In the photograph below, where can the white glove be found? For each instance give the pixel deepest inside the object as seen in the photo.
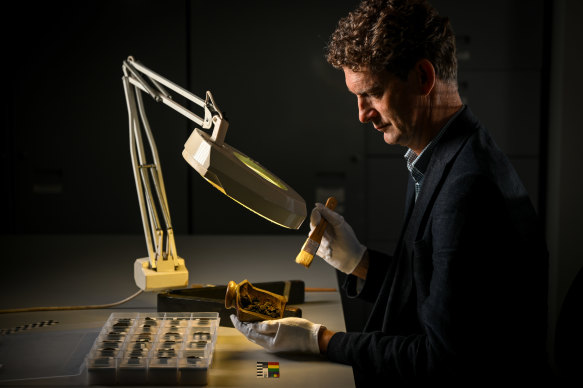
(339, 245)
(281, 335)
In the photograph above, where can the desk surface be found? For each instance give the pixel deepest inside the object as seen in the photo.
(43, 270)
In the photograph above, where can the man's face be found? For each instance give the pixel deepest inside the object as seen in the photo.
(386, 101)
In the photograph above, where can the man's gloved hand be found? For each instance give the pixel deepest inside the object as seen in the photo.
(282, 335)
(339, 245)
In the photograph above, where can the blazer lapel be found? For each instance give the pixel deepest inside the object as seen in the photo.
(443, 154)
(415, 216)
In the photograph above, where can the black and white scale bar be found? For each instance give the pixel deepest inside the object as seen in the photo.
(262, 368)
(27, 327)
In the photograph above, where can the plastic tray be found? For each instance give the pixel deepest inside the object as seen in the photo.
(153, 349)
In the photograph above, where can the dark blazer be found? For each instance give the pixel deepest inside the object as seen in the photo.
(464, 296)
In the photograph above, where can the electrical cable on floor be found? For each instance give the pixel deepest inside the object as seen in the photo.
(58, 308)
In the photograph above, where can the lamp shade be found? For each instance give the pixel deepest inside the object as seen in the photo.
(244, 180)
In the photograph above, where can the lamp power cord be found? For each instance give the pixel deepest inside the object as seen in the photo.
(60, 308)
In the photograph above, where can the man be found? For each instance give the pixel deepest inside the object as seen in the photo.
(463, 297)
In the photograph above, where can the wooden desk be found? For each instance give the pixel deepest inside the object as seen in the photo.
(83, 270)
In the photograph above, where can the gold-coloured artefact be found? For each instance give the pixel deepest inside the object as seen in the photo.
(254, 304)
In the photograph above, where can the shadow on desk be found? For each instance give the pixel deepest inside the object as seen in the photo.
(318, 303)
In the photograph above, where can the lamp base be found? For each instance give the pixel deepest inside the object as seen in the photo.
(151, 280)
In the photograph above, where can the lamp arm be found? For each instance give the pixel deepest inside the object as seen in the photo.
(159, 240)
(133, 123)
(213, 117)
(162, 253)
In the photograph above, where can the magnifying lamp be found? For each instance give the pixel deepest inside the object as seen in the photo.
(230, 171)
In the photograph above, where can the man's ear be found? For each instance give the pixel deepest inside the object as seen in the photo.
(424, 73)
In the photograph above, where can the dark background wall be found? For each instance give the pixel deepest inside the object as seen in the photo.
(65, 149)
(66, 153)
(564, 190)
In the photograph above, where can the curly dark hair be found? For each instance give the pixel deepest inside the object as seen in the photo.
(393, 35)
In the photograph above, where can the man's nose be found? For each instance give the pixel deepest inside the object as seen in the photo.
(365, 112)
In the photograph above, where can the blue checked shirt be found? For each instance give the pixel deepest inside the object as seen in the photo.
(417, 164)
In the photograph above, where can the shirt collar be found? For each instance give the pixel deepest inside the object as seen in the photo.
(417, 164)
